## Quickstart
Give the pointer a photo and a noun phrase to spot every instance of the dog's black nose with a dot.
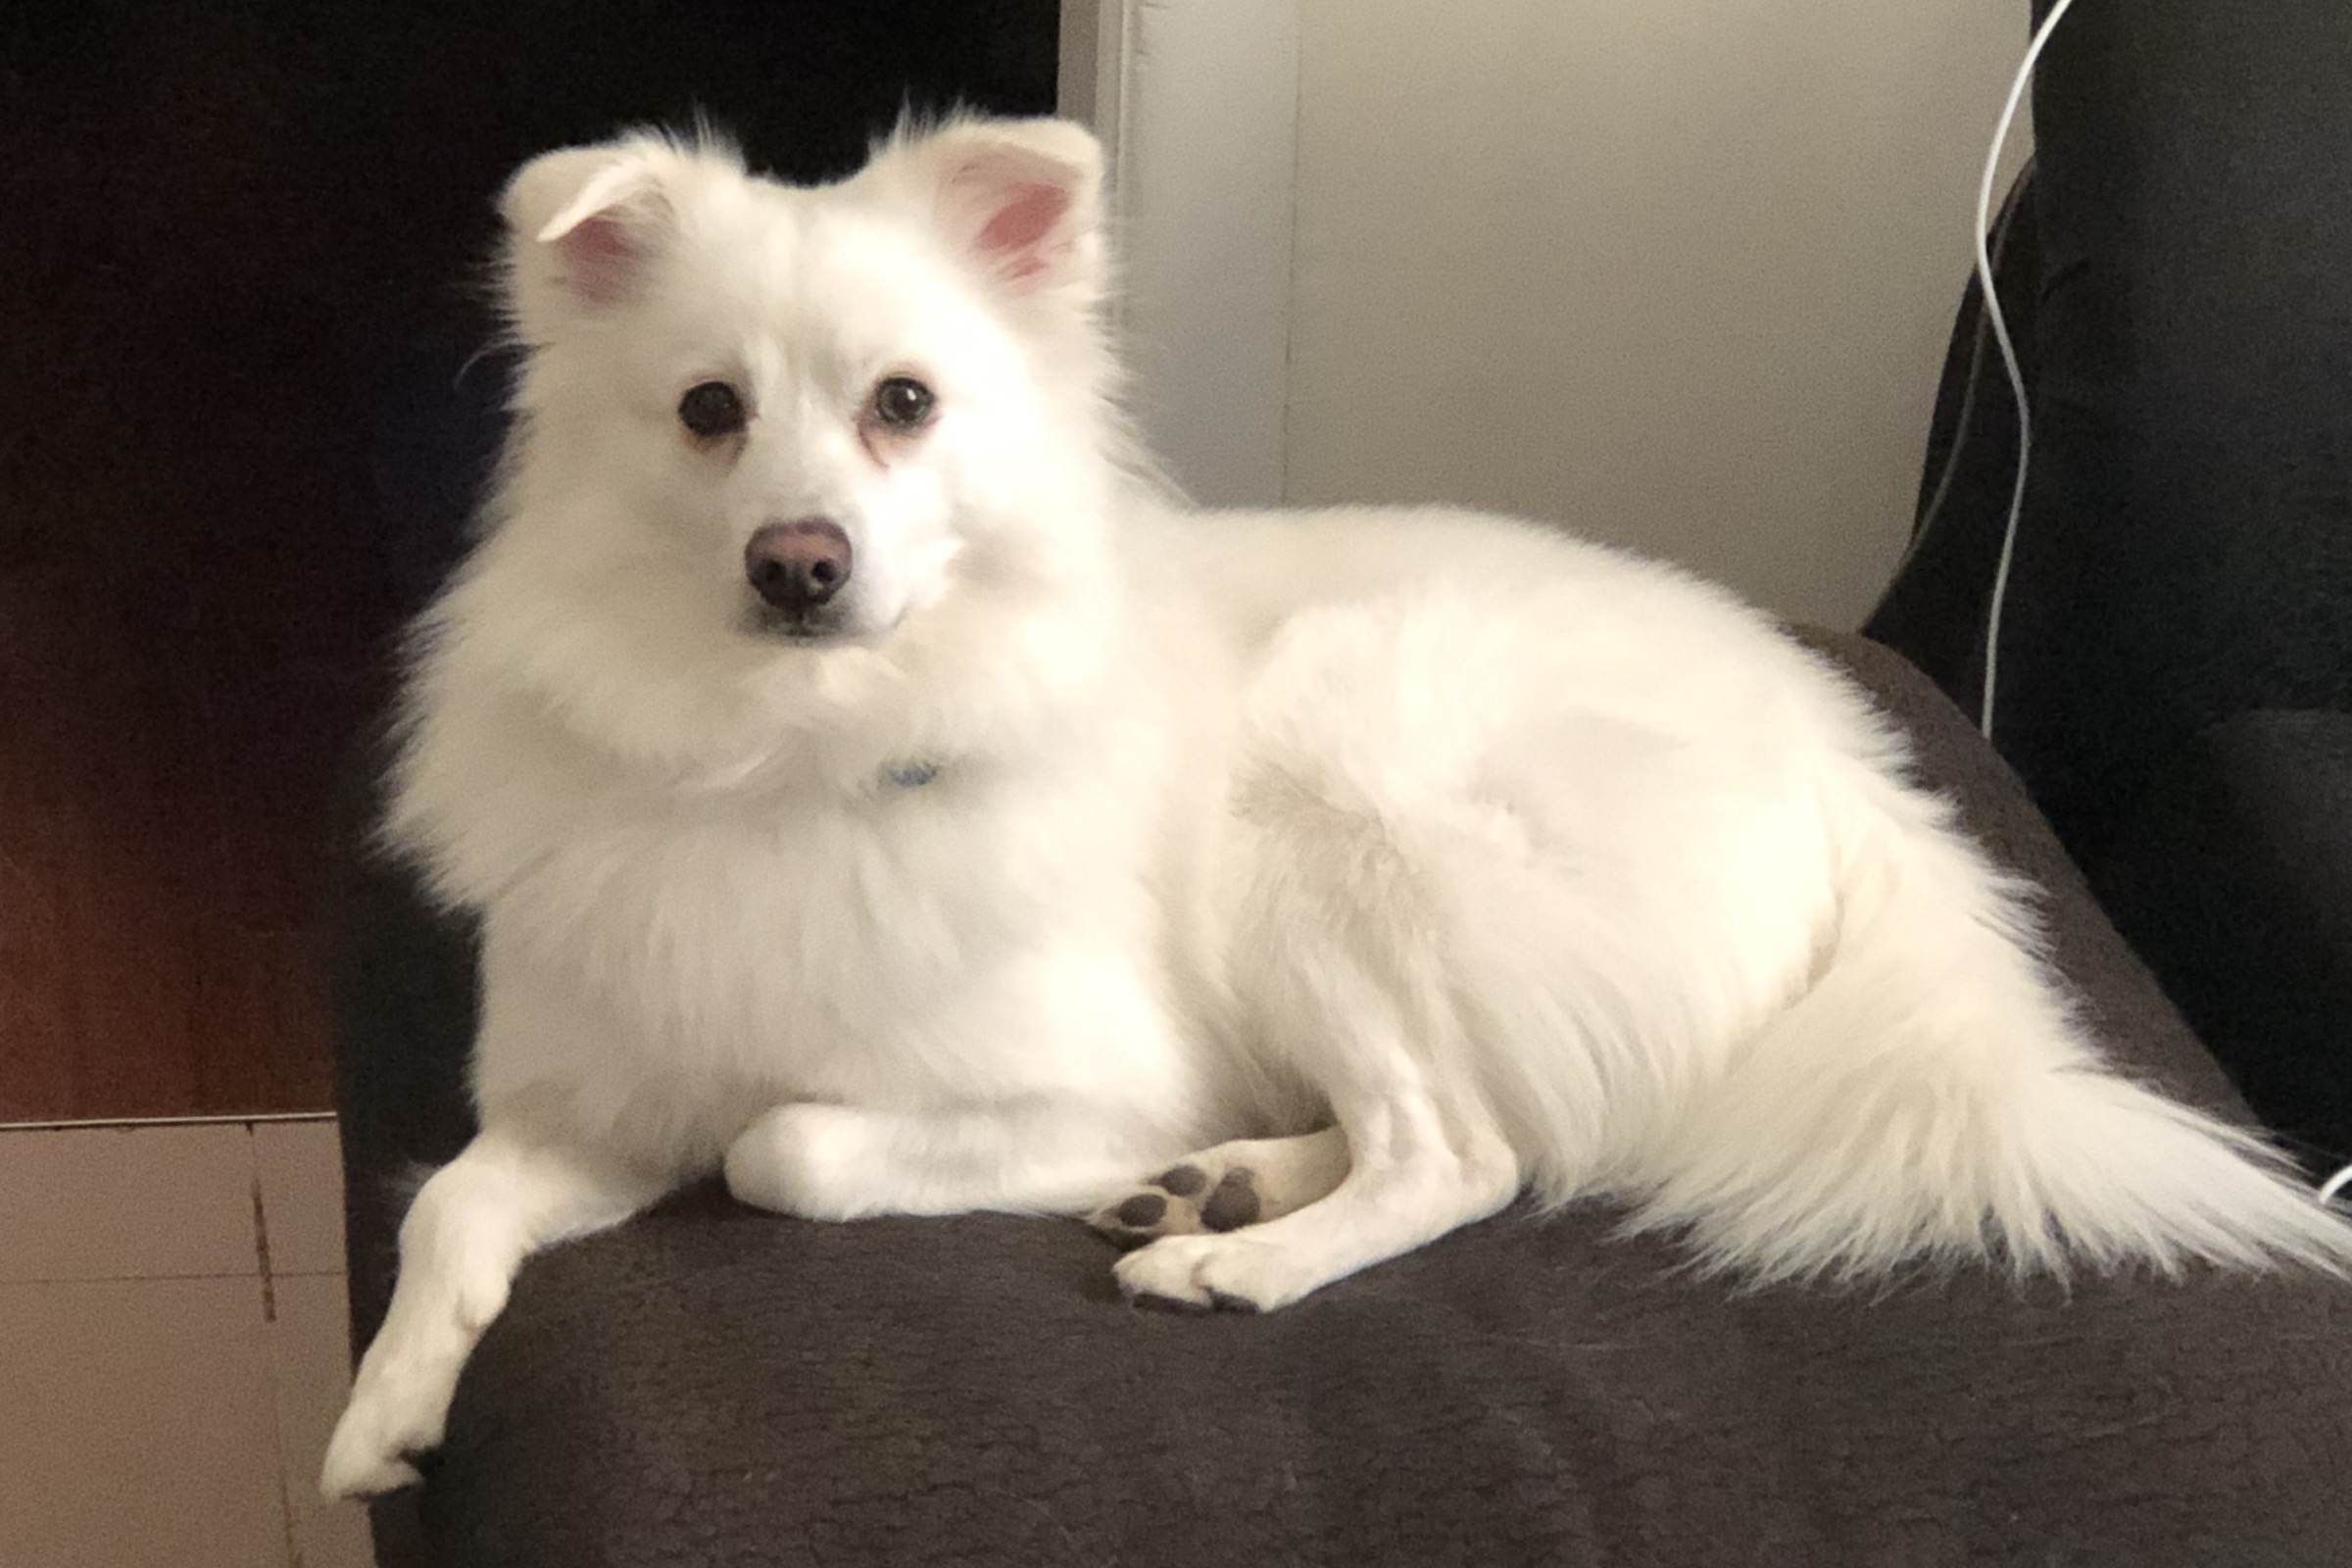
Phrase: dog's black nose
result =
(798, 565)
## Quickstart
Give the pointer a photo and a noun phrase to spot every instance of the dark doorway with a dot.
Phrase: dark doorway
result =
(240, 426)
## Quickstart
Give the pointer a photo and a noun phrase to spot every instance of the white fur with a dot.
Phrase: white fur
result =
(1523, 863)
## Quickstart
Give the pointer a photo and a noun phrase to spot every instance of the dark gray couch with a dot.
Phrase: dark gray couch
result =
(713, 1386)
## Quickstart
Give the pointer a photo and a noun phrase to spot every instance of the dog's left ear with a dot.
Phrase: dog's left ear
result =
(1021, 198)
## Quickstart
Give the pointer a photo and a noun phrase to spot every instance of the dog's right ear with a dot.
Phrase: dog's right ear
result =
(585, 224)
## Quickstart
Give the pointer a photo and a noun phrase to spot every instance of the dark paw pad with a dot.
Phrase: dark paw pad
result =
(1141, 1211)
(1183, 1200)
(1232, 1204)
(1182, 1181)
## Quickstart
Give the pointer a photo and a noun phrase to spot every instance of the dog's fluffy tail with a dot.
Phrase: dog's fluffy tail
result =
(1932, 1096)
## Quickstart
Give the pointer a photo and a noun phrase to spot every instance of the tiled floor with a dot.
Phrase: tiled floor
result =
(173, 1348)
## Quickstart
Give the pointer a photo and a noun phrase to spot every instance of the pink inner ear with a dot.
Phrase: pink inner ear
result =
(600, 258)
(1021, 224)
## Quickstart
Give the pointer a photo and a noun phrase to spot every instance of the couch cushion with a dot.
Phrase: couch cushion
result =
(708, 1385)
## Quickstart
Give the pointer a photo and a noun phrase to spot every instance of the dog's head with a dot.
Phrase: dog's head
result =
(798, 419)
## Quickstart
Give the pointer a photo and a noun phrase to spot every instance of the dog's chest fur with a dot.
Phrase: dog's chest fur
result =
(938, 932)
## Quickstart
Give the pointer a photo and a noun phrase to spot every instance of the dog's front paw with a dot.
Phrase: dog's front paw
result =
(1235, 1273)
(810, 1160)
(389, 1419)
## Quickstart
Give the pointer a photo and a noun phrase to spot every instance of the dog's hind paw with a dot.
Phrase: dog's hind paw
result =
(1246, 1182)
(1214, 1273)
(1183, 1200)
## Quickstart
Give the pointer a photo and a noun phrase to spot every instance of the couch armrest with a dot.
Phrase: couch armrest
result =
(405, 996)
(2232, 877)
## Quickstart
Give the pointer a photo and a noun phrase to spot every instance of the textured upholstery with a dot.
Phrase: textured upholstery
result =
(708, 1384)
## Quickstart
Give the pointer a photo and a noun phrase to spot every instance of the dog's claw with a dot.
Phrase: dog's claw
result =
(1155, 1301)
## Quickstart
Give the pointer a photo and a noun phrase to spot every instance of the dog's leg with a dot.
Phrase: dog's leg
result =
(470, 1229)
(838, 1162)
(1248, 1181)
(1345, 956)
(1415, 1170)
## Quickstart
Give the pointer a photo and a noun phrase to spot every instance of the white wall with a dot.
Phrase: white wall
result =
(1677, 272)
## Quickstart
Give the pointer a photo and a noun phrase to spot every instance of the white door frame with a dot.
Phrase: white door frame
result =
(1197, 103)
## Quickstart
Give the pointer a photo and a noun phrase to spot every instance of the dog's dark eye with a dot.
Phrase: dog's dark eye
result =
(902, 403)
(710, 409)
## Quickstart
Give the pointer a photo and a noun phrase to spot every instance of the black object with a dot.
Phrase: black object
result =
(2232, 876)
(2184, 557)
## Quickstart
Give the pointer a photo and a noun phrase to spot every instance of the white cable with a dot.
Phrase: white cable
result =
(2000, 335)
(2336, 1184)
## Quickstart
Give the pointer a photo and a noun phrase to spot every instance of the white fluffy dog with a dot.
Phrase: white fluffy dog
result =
(868, 788)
